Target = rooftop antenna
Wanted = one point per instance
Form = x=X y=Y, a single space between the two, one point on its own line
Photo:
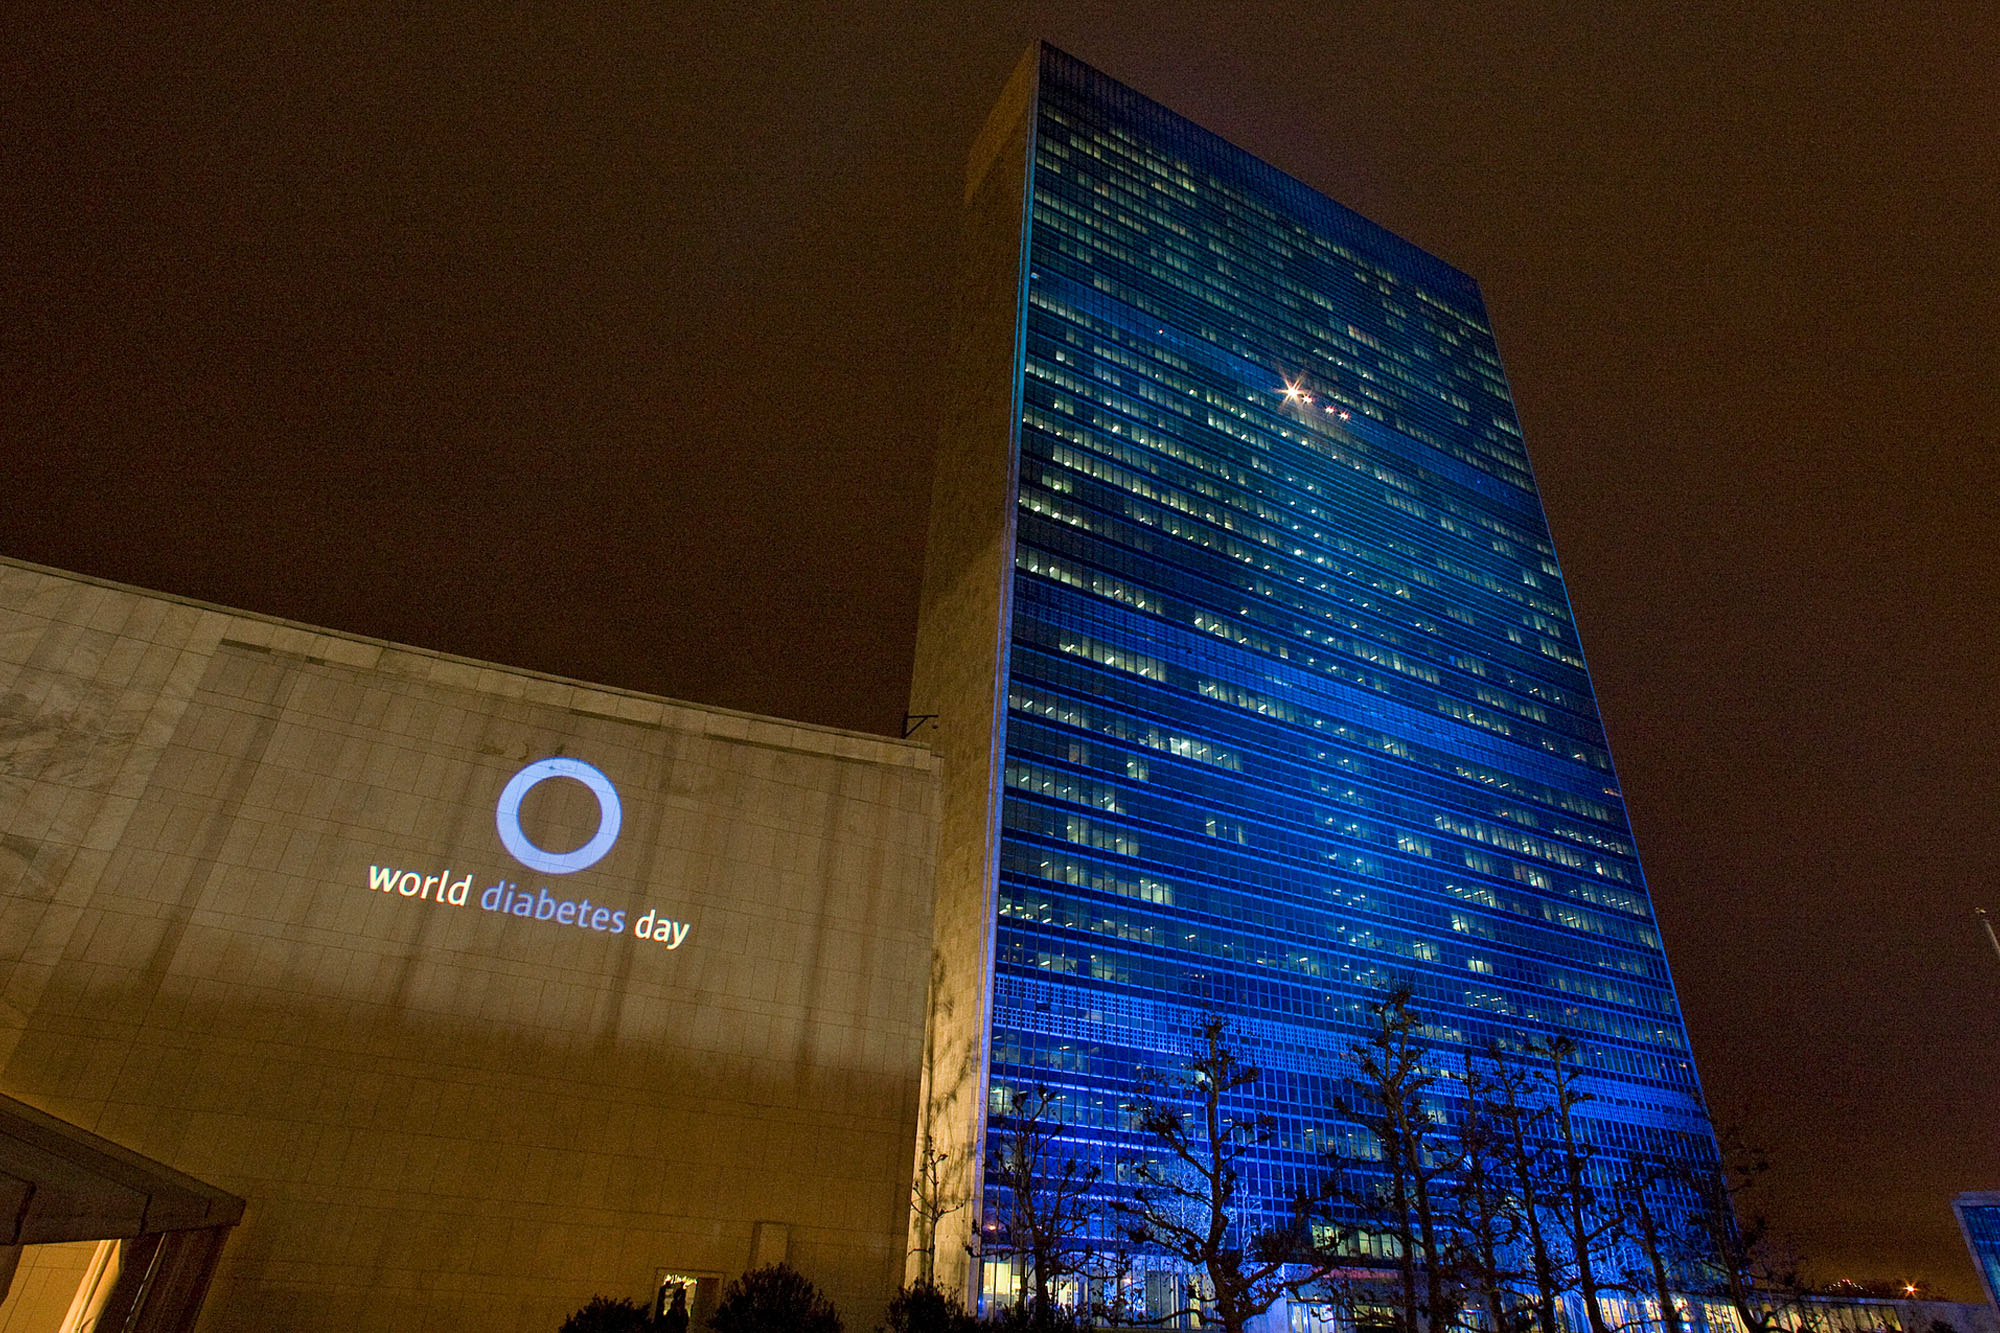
x=1987 y=922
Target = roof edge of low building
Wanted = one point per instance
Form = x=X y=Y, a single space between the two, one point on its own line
x=278 y=634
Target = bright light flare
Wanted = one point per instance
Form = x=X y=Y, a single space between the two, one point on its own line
x=1297 y=392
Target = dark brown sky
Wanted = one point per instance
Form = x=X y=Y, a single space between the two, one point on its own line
x=601 y=343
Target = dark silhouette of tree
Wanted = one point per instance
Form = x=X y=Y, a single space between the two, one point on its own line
x=1188 y=1201
x=1046 y=1204
x=1490 y=1192
x=602 y=1314
x=1393 y=1070
x=1743 y=1261
x=1648 y=1226
x=1492 y=1213
x=1020 y=1318
x=922 y=1308
x=1585 y=1225
x=1517 y=1114
x=775 y=1299
x=932 y=1200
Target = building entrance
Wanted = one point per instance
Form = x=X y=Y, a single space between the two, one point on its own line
x=157 y=1232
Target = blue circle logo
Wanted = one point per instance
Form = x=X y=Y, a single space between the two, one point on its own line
x=508 y=817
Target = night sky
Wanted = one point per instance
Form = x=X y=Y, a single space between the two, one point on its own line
x=602 y=340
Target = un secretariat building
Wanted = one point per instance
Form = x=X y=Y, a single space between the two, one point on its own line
x=345 y=985
x=1257 y=686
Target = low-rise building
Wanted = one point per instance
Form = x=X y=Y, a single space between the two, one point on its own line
x=482 y=991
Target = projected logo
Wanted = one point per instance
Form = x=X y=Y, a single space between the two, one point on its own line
x=507 y=815
x=508 y=898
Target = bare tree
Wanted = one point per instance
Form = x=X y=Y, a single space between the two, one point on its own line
x=1585 y=1226
x=1393 y=1067
x=1648 y=1228
x=1046 y=1209
x=1517 y=1111
x=1492 y=1215
x=1190 y=1202
x=1743 y=1261
x=932 y=1200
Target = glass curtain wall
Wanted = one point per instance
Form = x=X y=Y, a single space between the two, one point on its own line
x=1296 y=707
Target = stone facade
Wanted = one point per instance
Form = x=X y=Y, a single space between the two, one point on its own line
x=444 y=1116
x=961 y=671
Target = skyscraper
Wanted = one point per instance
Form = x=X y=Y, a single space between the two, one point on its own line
x=1250 y=659
x=1979 y=1220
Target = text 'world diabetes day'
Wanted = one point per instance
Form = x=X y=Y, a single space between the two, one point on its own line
x=510 y=899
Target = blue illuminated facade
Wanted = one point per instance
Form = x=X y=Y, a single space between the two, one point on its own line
x=1294 y=704
x=1979 y=1219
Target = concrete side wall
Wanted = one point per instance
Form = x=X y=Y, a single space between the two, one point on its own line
x=44 y=1286
x=446 y=1117
x=960 y=672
